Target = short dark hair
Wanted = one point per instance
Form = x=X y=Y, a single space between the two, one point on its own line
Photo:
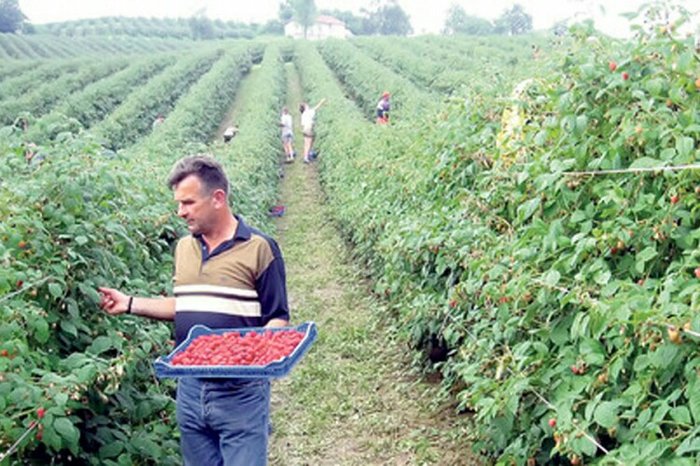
x=205 y=167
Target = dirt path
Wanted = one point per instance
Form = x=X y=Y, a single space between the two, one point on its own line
x=351 y=401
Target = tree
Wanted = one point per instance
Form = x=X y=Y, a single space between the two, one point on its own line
x=304 y=13
x=459 y=22
x=514 y=21
x=285 y=12
x=11 y=17
x=273 y=27
x=201 y=26
x=390 y=19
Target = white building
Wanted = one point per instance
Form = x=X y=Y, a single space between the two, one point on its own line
x=323 y=28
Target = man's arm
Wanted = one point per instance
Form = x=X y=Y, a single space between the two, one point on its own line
x=116 y=302
x=271 y=286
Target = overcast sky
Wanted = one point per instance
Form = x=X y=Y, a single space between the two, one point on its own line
x=426 y=15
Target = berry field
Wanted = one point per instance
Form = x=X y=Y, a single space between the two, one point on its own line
x=524 y=233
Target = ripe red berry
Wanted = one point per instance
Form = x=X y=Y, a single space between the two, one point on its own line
x=625 y=76
x=40 y=413
x=552 y=423
x=697 y=272
x=612 y=65
x=4 y=353
x=453 y=304
x=674 y=199
x=19 y=284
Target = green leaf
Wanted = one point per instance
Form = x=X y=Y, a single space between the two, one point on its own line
x=111 y=450
x=602 y=277
x=100 y=345
x=684 y=146
x=526 y=210
x=81 y=240
x=606 y=414
x=646 y=162
x=67 y=430
x=681 y=415
x=643 y=257
x=90 y=292
x=41 y=329
x=592 y=351
x=68 y=327
x=694 y=400
x=55 y=290
x=551 y=278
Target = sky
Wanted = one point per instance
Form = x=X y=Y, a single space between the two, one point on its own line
x=427 y=16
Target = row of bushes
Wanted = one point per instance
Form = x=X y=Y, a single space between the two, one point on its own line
x=560 y=300
x=78 y=220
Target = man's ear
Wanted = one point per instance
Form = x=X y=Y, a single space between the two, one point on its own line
x=219 y=197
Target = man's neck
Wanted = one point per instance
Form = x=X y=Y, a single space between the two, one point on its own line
x=221 y=233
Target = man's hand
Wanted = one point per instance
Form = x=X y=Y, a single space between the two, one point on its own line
x=275 y=323
x=113 y=301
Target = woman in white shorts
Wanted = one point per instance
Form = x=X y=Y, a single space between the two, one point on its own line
x=308 y=116
x=287 y=126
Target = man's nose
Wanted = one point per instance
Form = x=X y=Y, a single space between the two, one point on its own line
x=181 y=211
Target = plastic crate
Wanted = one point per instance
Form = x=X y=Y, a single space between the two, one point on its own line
x=273 y=370
x=277 y=211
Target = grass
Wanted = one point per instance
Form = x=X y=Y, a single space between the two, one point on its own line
x=352 y=400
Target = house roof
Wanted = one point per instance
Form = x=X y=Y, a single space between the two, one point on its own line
x=325 y=19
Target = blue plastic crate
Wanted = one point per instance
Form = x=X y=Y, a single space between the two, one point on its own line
x=277 y=211
x=273 y=370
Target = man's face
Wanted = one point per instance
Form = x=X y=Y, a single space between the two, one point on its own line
x=197 y=207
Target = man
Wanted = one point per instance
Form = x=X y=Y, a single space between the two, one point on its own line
x=383 y=107
x=230 y=132
x=308 y=116
x=160 y=119
x=227 y=275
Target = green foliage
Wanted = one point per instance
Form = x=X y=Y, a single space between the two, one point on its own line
x=83 y=109
x=73 y=221
x=41 y=99
x=201 y=27
x=285 y=11
x=514 y=21
x=11 y=17
x=542 y=286
x=365 y=80
x=43 y=46
x=389 y=19
x=459 y=22
x=150 y=28
x=304 y=13
x=134 y=117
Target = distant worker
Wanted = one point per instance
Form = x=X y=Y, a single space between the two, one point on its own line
x=230 y=132
x=287 y=125
x=158 y=121
x=383 y=107
x=308 y=116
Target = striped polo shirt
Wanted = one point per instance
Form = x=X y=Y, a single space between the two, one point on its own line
x=239 y=284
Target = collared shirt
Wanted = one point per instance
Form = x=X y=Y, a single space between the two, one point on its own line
x=240 y=284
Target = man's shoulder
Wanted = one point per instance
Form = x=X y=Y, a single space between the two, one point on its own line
x=264 y=241
x=185 y=241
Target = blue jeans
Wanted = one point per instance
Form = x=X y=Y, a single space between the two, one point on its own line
x=223 y=422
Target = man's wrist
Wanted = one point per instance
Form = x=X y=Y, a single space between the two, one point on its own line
x=129 y=308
